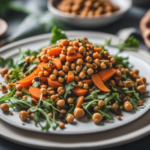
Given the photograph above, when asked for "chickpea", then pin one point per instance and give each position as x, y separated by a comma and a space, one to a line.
77, 78
52, 76
139, 81
62, 125
140, 103
43, 91
85, 86
95, 108
97, 61
65, 68
123, 71
135, 71
135, 76
70, 118
90, 71
73, 66
50, 88
78, 68
60, 79
62, 57
80, 84
71, 50
79, 113
97, 118
41, 74
27, 59
101, 103
23, 115
70, 100
112, 82
127, 70
103, 65
6, 77
144, 79
75, 43
53, 97
4, 107
44, 58
29, 111
82, 49
19, 93
10, 71
59, 89
112, 60
118, 67
141, 89
25, 96
79, 61
32, 58
118, 72
64, 42
89, 59
60, 103
127, 106
95, 66
68, 63
114, 106
44, 86
46, 73
119, 117
10, 86
129, 84
127, 98
32, 114
82, 75
50, 114
89, 65
120, 83
4, 71
61, 73
19, 87
63, 111
106, 53
66, 77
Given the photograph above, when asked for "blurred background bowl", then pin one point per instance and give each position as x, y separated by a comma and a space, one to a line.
89, 22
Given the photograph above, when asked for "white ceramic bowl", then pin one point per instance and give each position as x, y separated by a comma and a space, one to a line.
90, 22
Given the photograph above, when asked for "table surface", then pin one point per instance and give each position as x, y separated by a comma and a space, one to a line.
131, 19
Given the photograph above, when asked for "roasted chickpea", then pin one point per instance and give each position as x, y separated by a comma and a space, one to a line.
50, 88
89, 59
103, 65
97, 61
43, 91
60, 79
50, 114
23, 115
44, 58
112, 82
82, 49
118, 72
127, 70
139, 81
6, 77
95, 108
70, 118
62, 125
118, 67
73, 66
123, 71
25, 96
19, 93
90, 71
85, 86
61, 73
112, 60
68, 63
65, 68
4, 71
4, 107
119, 117
19, 87
52, 76
59, 89
89, 65
140, 103
29, 111
97, 118
44, 86
41, 74
114, 106
141, 89
70, 100
144, 79
135, 71
127, 106
53, 97
135, 76
78, 68
46, 73
127, 98
10, 86
82, 75
79, 61
63, 111
60, 103
64, 42
80, 84
32, 114
106, 53
32, 58
10, 71
27, 59
95, 66
129, 84
101, 103
66, 77
62, 57
75, 43
3, 88
71, 50
77, 78
79, 113
120, 83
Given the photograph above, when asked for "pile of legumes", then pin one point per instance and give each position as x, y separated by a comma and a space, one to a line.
67, 80
87, 8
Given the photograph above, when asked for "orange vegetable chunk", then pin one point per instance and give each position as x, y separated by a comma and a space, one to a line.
74, 57
97, 49
57, 63
88, 81
44, 79
54, 83
80, 100
55, 51
99, 83
70, 77
79, 91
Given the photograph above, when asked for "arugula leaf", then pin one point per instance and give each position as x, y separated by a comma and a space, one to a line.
93, 95
133, 102
113, 88
36, 116
107, 115
36, 84
57, 35
25, 92
32, 66
103, 96
75, 72
69, 87
70, 110
84, 68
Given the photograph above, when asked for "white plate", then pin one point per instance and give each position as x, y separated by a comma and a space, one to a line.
82, 126
90, 22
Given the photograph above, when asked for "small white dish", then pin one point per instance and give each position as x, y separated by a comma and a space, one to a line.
90, 22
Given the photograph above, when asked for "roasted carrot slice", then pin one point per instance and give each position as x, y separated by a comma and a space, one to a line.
97, 49
55, 51
79, 101
35, 93
99, 83
54, 83
106, 74
70, 77
79, 91
44, 79
57, 63
74, 57
88, 81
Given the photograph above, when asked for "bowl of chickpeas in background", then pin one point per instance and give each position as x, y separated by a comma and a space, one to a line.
88, 13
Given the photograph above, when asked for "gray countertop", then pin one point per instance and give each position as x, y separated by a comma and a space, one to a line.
131, 19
